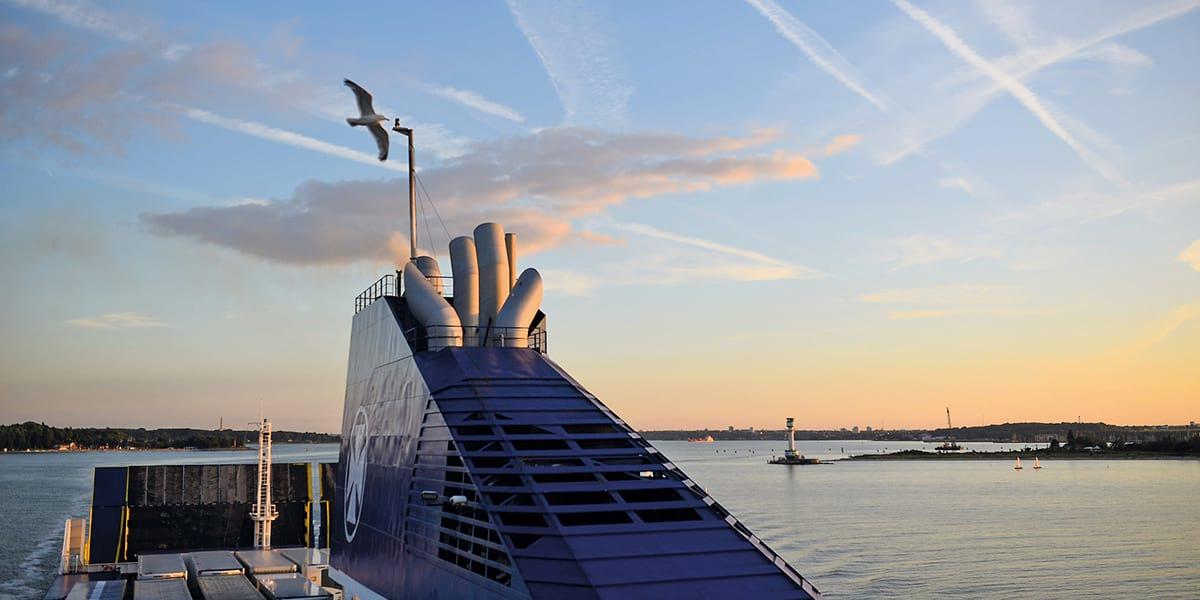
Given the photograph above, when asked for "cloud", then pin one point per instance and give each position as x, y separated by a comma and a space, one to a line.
114, 93
922, 249
75, 93
842, 143
938, 313
473, 101
575, 49
1090, 205
1161, 329
114, 25
815, 48
290, 138
955, 300
114, 321
535, 184
45, 85
1117, 55
1191, 256
959, 183
569, 282
969, 294
1012, 84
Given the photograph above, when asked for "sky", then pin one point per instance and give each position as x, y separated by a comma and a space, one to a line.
847, 213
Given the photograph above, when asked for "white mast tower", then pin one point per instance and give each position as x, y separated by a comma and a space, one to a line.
264, 510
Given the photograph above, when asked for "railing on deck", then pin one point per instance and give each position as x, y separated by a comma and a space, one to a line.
388, 285
391, 285
535, 338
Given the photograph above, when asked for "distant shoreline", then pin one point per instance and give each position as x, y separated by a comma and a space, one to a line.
31, 436
1015, 454
84, 450
172, 449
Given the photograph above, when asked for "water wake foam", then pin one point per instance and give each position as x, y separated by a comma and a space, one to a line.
37, 566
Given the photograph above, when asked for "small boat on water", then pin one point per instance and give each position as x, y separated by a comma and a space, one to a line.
708, 439
1018, 465
1037, 462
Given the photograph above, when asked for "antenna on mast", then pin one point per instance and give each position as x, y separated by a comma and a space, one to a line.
412, 190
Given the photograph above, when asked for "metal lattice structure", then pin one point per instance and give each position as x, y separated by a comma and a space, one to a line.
264, 511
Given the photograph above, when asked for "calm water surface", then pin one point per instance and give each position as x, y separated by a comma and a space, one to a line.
964, 529
967, 529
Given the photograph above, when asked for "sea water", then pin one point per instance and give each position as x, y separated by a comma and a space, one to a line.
856, 529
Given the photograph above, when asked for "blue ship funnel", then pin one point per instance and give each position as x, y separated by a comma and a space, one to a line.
488, 472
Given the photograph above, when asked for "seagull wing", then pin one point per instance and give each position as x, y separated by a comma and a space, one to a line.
381, 139
363, 97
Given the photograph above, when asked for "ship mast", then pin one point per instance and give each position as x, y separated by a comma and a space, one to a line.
412, 190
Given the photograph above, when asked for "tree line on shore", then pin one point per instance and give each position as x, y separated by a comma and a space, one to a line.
39, 436
1088, 433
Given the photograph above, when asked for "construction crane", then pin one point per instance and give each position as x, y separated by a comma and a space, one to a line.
949, 445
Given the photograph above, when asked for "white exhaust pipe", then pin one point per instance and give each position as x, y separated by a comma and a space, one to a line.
442, 327
512, 323
431, 269
510, 248
493, 272
464, 265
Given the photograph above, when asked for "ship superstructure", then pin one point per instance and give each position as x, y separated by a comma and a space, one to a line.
474, 465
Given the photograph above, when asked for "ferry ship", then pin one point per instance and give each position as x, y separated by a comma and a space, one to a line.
471, 466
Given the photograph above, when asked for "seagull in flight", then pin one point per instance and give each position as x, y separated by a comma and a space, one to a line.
369, 118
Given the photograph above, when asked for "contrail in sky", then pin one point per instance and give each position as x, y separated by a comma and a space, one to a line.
473, 101
290, 138
798, 271
578, 55
815, 48
1013, 85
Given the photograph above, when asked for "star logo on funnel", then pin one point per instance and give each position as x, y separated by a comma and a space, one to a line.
356, 473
